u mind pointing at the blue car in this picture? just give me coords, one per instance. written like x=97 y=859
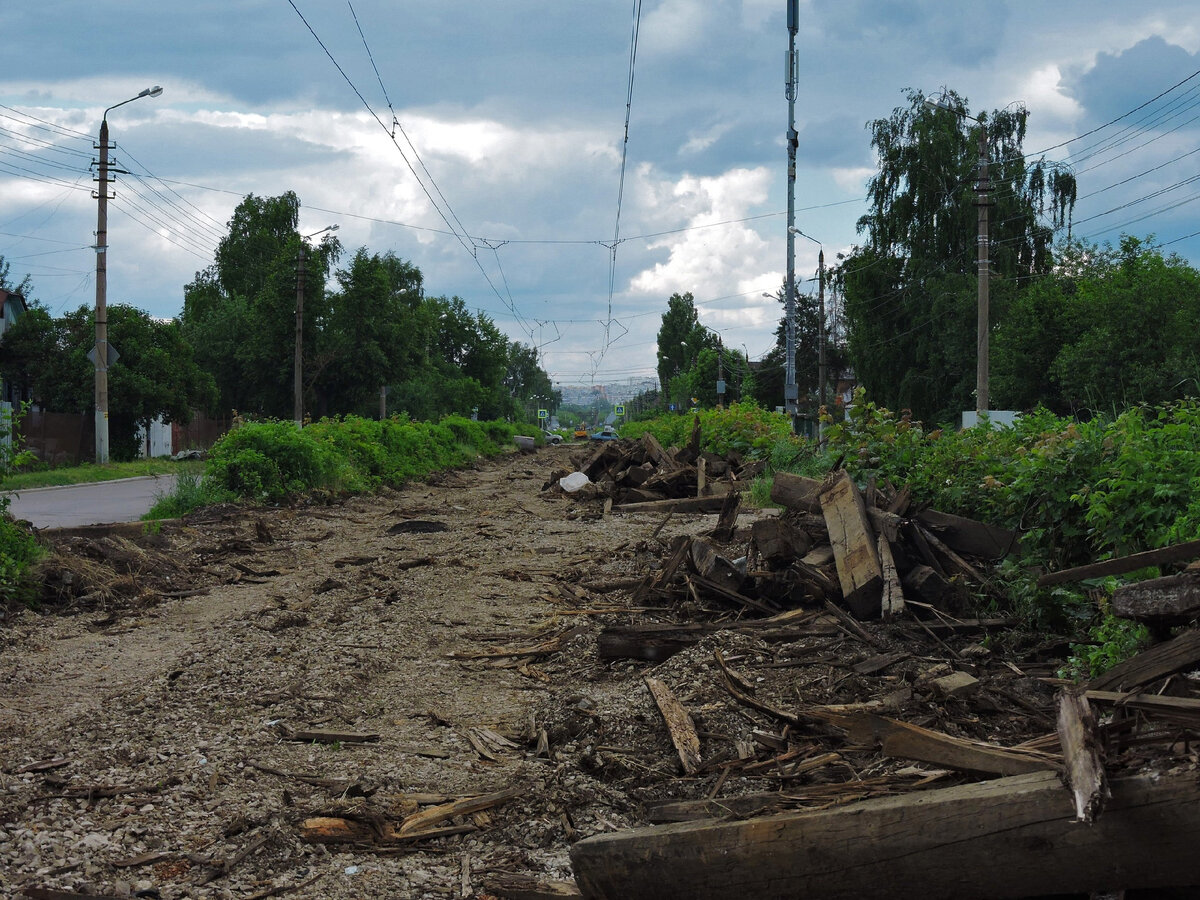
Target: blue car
x=607 y=433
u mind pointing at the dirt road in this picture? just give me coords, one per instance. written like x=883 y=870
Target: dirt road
x=144 y=739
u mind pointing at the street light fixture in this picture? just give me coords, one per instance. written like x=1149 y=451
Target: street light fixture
x=983 y=266
x=101 y=350
x=298 y=362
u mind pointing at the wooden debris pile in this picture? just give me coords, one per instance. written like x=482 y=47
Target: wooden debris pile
x=636 y=474
x=873 y=555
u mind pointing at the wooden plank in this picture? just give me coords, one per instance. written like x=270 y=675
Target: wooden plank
x=523 y=887
x=655 y=643
x=892 y=599
x=1182 y=710
x=689 y=504
x=727 y=520
x=1011 y=837
x=1179 y=654
x=1082 y=755
x=1172 y=600
x=855 y=552
x=426 y=818
x=679 y=724
x=1123 y=564
x=904 y=740
x=969 y=536
x=329 y=736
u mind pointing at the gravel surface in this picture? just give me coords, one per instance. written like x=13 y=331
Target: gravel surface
x=144 y=732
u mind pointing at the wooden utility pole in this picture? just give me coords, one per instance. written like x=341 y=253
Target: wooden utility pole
x=101 y=349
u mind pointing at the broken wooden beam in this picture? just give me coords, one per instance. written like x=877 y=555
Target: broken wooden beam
x=855 y=552
x=1083 y=758
x=1121 y=565
x=892 y=600
x=1181 y=710
x=904 y=740
x=796 y=492
x=691 y=504
x=1172 y=600
x=1012 y=837
x=1179 y=654
x=679 y=724
x=969 y=536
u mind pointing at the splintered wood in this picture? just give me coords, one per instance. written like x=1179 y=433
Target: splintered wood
x=679 y=724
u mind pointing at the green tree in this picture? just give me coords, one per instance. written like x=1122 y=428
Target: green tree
x=250 y=290
x=1109 y=329
x=910 y=288
x=370 y=336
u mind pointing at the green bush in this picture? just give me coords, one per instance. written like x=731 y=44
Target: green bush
x=190 y=492
x=270 y=461
x=743 y=428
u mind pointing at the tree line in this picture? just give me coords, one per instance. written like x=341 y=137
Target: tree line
x=1076 y=328
x=232 y=347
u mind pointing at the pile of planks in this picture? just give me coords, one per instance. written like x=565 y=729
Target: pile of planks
x=644 y=475
x=872 y=555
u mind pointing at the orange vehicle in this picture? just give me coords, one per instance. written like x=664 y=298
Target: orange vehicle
x=581 y=433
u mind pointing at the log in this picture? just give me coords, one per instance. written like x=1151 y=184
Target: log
x=1121 y=565
x=1082 y=755
x=778 y=542
x=1012 y=837
x=1179 y=654
x=796 y=492
x=854 y=549
x=727 y=520
x=679 y=724
x=1172 y=600
x=931 y=587
x=655 y=453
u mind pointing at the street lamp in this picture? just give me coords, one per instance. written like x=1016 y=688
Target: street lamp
x=101 y=350
x=983 y=264
x=298 y=386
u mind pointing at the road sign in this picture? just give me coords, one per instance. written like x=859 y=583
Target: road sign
x=543 y=414
x=113 y=355
x=620 y=409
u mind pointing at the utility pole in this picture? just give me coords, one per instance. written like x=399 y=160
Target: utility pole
x=720 y=373
x=298 y=362
x=984 y=274
x=821 y=372
x=790 y=392
x=101 y=349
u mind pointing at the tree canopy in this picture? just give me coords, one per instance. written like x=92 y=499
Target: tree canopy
x=910 y=288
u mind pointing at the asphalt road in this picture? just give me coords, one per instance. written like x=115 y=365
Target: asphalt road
x=104 y=502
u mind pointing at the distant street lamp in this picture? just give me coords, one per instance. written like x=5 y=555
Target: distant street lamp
x=298 y=386
x=101 y=350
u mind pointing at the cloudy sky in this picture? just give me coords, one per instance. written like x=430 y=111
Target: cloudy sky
x=482 y=140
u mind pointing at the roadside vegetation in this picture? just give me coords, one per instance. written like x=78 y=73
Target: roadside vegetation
x=37 y=476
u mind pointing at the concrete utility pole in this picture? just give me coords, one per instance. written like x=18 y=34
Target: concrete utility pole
x=298 y=362
x=983 y=269
x=101 y=350
x=821 y=373
x=984 y=274
x=790 y=392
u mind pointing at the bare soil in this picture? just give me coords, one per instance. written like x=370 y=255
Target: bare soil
x=148 y=713
x=140 y=730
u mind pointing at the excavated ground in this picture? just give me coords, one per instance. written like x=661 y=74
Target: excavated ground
x=148 y=713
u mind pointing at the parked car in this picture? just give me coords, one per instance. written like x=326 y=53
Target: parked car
x=607 y=433
x=552 y=437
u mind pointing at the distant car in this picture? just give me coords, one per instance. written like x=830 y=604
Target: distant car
x=552 y=437
x=607 y=433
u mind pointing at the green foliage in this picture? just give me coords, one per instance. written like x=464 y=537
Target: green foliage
x=1076 y=492
x=18 y=547
x=190 y=492
x=910 y=290
x=742 y=428
x=269 y=461
x=272 y=461
x=1110 y=641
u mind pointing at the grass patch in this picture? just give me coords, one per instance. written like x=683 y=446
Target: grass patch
x=191 y=492
x=89 y=473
